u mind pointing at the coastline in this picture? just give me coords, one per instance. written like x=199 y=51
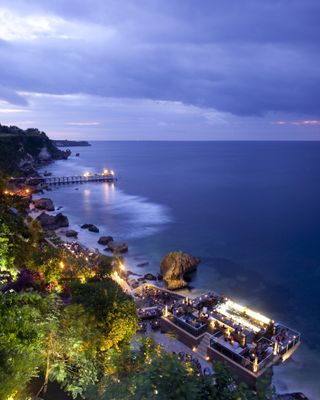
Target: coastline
x=86 y=239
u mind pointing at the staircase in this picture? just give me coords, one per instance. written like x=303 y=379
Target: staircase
x=203 y=345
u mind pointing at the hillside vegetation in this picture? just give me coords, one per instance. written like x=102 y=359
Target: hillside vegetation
x=24 y=150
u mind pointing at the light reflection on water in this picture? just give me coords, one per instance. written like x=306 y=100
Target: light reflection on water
x=113 y=211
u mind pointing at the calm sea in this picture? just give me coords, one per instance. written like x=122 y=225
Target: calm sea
x=250 y=210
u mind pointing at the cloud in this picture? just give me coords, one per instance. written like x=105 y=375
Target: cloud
x=83 y=123
x=245 y=59
x=306 y=122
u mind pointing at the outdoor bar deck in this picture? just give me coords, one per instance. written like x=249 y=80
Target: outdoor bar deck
x=217 y=328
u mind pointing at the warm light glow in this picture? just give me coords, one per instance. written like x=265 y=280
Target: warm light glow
x=61 y=264
x=227 y=308
x=27 y=190
x=166 y=310
x=255 y=365
x=105 y=172
x=122 y=267
x=87 y=174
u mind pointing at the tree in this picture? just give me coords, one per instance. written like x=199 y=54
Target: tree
x=6 y=256
x=22 y=333
x=148 y=373
x=70 y=351
x=115 y=311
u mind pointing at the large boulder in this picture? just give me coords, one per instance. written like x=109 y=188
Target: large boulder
x=150 y=277
x=292 y=396
x=117 y=247
x=174 y=266
x=104 y=240
x=53 y=221
x=71 y=233
x=90 y=227
x=44 y=204
x=93 y=228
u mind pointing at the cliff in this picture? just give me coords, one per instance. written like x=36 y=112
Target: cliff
x=24 y=150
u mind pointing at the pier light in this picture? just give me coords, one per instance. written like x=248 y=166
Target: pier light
x=106 y=172
x=112 y=172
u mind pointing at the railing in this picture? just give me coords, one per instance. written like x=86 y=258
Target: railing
x=77 y=179
x=187 y=327
x=239 y=359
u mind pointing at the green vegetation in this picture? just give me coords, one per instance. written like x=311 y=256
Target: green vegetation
x=150 y=373
x=20 y=148
x=60 y=313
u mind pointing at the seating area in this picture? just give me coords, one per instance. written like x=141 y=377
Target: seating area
x=151 y=296
x=238 y=333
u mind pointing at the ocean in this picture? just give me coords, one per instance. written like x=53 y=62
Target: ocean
x=250 y=210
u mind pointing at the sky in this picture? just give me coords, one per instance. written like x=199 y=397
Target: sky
x=162 y=69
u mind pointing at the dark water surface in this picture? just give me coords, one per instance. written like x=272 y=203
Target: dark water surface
x=250 y=210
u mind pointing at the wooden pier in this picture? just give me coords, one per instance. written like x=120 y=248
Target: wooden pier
x=64 y=180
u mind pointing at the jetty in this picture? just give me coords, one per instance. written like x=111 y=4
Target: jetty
x=105 y=176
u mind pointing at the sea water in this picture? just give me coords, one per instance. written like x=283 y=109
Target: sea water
x=250 y=210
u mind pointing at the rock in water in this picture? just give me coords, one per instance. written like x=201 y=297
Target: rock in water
x=117 y=247
x=53 y=221
x=71 y=233
x=104 y=240
x=44 y=204
x=93 y=228
x=291 y=396
x=174 y=266
x=150 y=277
x=90 y=227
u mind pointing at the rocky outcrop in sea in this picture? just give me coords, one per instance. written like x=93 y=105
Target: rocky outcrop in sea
x=174 y=266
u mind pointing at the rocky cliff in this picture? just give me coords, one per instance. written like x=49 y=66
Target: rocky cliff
x=24 y=150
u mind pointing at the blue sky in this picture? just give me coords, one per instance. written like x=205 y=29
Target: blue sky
x=162 y=69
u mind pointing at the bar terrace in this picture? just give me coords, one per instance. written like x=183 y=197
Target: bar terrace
x=218 y=328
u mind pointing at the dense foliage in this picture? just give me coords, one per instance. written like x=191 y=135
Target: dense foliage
x=18 y=145
x=60 y=313
x=150 y=373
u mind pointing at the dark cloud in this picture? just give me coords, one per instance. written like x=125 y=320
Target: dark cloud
x=241 y=57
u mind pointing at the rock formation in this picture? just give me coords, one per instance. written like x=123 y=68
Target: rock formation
x=53 y=221
x=44 y=204
x=117 y=247
x=174 y=266
x=104 y=240
x=71 y=233
x=90 y=227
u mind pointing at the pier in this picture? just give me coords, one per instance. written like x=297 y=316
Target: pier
x=106 y=176
x=63 y=180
